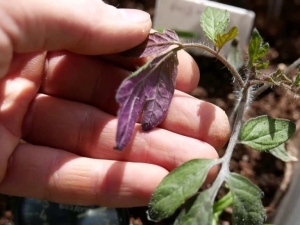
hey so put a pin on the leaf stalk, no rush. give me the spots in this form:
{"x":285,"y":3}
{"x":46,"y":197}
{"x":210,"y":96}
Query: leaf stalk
{"x":232,"y":69}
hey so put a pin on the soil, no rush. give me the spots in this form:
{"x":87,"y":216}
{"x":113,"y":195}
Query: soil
{"x":278,"y":25}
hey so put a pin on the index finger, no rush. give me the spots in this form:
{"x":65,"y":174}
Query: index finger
{"x":86,"y":27}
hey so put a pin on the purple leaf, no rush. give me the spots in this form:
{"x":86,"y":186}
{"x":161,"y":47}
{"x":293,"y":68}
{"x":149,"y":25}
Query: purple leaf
{"x":154,"y":44}
{"x":150,"y":89}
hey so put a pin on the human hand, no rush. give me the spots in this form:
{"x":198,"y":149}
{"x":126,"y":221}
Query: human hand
{"x":56,"y":94}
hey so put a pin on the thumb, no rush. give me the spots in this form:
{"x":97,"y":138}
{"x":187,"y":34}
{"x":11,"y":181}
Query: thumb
{"x":81,"y":26}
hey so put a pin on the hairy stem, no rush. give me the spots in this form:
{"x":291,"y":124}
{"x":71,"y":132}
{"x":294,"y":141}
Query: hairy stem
{"x":234,"y":111}
{"x":233,"y":70}
{"x":225,"y":160}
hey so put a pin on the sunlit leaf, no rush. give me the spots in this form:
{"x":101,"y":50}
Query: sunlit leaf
{"x":214,"y":21}
{"x":197,"y":210}
{"x":256,"y":48}
{"x":281,"y":153}
{"x":155,"y":43}
{"x":247,"y":205}
{"x":264,"y":133}
{"x":262,"y":51}
{"x":150,"y":88}
{"x":177,"y":186}
{"x":262,"y":65}
{"x":224,"y":38}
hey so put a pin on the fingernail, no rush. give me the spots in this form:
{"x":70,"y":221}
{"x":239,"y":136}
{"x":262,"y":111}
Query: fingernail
{"x":135,"y":15}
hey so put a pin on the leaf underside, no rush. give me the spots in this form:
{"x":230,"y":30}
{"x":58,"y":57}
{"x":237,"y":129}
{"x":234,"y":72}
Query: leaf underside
{"x":156,"y":43}
{"x":247,"y":205}
{"x":264,"y":133}
{"x":150,"y":89}
{"x":177,"y":186}
{"x":281,"y":153}
{"x":197,"y":210}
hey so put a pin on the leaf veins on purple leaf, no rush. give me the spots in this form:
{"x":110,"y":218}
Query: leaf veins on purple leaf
{"x":150,"y":89}
{"x":154,"y":44}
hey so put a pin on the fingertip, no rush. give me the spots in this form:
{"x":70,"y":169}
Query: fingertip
{"x":94,"y":28}
{"x":117,"y":30}
{"x":135,"y":15}
{"x":219,"y":131}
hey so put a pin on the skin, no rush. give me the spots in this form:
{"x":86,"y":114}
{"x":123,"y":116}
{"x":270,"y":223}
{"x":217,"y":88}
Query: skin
{"x":59,"y":74}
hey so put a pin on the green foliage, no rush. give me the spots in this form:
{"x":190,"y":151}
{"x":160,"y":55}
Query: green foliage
{"x":224,"y":38}
{"x":221,"y":205}
{"x":151,"y":88}
{"x":262,"y":65}
{"x":257,"y":50}
{"x":198,"y":210}
{"x":297,"y":79}
{"x":247,"y":205}
{"x":177,"y":186}
{"x":281,"y":153}
{"x":214,"y":21}
{"x":264,"y":133}
{"x":277,"y":78}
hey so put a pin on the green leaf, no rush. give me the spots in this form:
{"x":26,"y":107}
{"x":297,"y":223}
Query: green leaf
{"x":271,"y":80}
{"x":177,"y":186}
{"x":264,"y":133}
{"x":256,"y":49}
{"x":297,"y":79}
{"x":285,"y":79}
{"x":264,"y":65}
{"x":223,"y":203}
{"x":255,"y":43}
{"x":278,"y":78}
{"x":281,"y":153}
{"x":262,"y":51}
{"x":198,"y":210}
{"x":214,"y":21}
{"x":234,"y":55}
{"x":220,"y":206}
{"x":223,"y":38}
{"x":247,"y":205}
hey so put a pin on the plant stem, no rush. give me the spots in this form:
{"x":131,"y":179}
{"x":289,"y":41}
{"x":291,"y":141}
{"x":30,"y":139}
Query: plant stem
{"x":286,"y":71}
{"x":234,"y":72}
{"x":292,"y":66}
{"x":234,"y":111}
{"x":224,"y":171}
